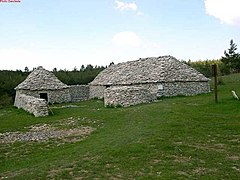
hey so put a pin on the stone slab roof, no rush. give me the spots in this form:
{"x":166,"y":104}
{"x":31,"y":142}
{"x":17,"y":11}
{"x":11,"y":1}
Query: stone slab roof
{"x":148,"y":70}
{"x":41,"y":79}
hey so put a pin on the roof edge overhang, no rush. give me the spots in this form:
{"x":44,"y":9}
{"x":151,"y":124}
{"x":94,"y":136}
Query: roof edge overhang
{"x":35,"y":89}
{"x":113,"y":84}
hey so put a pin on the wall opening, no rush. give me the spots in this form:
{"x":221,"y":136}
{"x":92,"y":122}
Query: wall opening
{"x":44,"y":96}
{"x":160,"y":87}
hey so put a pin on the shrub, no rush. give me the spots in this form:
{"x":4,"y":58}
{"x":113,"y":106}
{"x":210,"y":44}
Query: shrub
{"x":110,"y":106}
{"x":119,"y":106}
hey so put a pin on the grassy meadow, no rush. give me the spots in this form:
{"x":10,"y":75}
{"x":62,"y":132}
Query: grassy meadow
{"x":174,"y":138}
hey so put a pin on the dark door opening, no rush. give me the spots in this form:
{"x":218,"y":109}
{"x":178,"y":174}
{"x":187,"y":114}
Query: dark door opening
{"x":44,"y":96}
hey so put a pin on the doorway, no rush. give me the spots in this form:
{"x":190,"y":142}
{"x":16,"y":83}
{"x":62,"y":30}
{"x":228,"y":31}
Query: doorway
{"x":44,"y":96}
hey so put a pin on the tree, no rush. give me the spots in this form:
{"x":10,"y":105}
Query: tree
{"x":75,"y":69}
{"x":54,"y":69}
{"x":26,"y":69}
{"x":82,"y":68}
{"x":89,"y":67}
{"x":232,"y":58}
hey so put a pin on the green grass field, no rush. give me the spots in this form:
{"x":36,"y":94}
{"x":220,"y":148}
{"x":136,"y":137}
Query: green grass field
{"x":175,"y":138}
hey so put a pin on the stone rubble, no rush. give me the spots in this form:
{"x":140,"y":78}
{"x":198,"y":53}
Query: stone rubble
{"x":44,"y":133}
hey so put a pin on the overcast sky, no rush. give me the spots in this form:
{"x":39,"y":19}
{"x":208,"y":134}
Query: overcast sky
{"x":69,"y":33}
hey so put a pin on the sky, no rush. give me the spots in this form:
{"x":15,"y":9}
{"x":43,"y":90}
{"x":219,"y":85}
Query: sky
{"x":64,"y":34}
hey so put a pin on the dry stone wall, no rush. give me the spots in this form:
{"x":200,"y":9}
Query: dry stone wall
{"x":161,"y":89}
{"x":38,"y":107}
{"x":54,"y":96}
{"x":176,"y":88}
{"x":127,"y":96}
{"x":96,"y":92}
{"x":59,"y":96}
{"x":182,"y":88}
{"x":79,"y":92}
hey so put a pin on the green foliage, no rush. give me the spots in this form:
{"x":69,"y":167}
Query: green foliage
{"x":113,"y":106}
{"x":119,"y":106}
{"x":5,"y":100}
{"x":177,"y":138}
{"x":110,"y":106}
{"x":95,"y":98}
{"x":205,"y":67}
{"x":228,"y":64}
{"x":231,"y":58}
{"x":8,"y":81}
{"x":82,"y":76}
{"x":220,"y":81}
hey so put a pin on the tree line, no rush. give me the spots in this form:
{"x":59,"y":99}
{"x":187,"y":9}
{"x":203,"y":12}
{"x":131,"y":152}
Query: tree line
{"x":227,"y":64}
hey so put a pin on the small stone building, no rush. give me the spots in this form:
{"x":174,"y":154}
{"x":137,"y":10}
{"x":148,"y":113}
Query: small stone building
{"x":45,"y":85}
{"x":42,"y":87}
{"x":152,"y":77}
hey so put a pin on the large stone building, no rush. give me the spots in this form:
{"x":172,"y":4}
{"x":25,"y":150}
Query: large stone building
{"x":145,"y":80}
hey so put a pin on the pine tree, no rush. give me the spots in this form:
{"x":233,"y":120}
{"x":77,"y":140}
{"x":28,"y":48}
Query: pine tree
{"x":232,"y":58}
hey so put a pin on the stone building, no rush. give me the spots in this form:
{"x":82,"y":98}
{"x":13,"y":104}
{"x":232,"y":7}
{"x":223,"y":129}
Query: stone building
{"x":42,"y":87}
{"x":45,"y":85}
{"x":124,"y":84}
{"x":147,"y":79}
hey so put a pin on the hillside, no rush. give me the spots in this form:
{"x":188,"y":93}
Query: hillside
{"x":180,"y":137}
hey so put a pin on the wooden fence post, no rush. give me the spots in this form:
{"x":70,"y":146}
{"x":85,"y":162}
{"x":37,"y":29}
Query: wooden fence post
{"x":214,"y":70}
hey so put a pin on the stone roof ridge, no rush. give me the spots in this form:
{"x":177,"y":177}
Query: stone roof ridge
{"x":148,"y":70}
{"x":41,"y":79}
{"x":143,"y":59}
{"x":40,"y":68}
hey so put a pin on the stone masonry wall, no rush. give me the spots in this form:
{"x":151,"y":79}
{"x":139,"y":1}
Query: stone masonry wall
{"x":59,"y":96}
{"x":96,"y":92}
{"x":182,"y":88}
{"x":79,"y":92}
{"x":142,"y":93}
{"x":127,"y":96}
{"x":54,"y":96}
{"x":38,"y":107}
{"x":161,"y":89}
